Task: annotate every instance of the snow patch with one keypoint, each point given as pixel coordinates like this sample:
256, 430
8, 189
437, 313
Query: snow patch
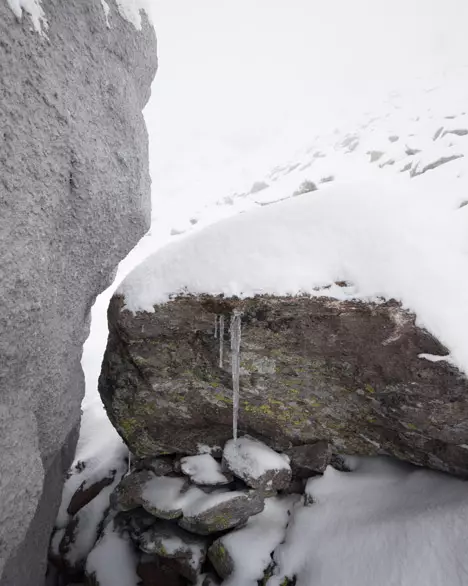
131, 10
203, 469
106, 9
250, 548
35, 11
113, 561
248, 458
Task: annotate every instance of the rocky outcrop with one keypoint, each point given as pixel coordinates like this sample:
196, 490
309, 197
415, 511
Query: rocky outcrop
75, 198
361, 376
208, 531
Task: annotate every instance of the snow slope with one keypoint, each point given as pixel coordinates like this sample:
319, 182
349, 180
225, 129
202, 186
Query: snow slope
381, 524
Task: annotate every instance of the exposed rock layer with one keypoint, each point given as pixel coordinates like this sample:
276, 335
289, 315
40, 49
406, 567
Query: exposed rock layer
75, 198
312, 369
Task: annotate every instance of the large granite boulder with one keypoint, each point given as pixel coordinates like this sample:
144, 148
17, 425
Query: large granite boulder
348, 372
75, 198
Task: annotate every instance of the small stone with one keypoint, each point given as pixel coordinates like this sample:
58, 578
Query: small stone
204, 470
221, 559
170, 541
221, 511
309, 459
162, 496
161, 466
139, 521
256, 464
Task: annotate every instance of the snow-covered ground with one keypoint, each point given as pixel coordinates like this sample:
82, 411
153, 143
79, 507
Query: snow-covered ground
239, 121
383, 523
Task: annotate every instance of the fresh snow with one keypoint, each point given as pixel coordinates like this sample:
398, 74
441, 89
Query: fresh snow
203, 469
383, 523
205, 502
250, 547
35, 11
248, 458
113, 561
130, 10
387, 239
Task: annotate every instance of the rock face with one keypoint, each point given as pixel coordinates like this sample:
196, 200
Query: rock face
345, 372
75, 198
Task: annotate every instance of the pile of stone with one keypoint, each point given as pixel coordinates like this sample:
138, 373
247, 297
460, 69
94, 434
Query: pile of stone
181, 520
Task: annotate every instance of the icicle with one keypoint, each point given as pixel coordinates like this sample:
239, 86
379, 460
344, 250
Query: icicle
221, 340
216, 327
129, 469
235, 361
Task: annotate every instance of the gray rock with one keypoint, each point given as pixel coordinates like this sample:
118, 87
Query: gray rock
75, 199
221, 559
162, 466
309, 459
170, 541
162, 496
345, 372
212, 514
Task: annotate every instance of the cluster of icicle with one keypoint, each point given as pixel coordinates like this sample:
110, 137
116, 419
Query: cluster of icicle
235, 327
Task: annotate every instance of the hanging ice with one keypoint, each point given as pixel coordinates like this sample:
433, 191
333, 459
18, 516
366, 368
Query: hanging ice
235, 361
221, 340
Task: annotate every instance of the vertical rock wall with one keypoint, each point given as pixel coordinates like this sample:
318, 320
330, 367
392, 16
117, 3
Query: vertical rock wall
74, 199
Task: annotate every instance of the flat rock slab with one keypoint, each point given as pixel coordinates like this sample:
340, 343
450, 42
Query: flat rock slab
221, 511
349, 373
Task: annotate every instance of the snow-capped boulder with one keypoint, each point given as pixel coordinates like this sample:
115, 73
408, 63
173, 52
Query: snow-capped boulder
359, 375
75, 193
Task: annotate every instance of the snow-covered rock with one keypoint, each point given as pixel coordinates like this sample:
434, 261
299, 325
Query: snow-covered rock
256, 464
243, 555
221, 510
167, 540
75, 194
204, 470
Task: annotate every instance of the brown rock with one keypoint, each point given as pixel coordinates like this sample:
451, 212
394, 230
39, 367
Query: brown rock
345, 372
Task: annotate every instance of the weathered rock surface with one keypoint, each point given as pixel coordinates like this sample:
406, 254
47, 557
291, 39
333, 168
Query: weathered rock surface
75, 198
309, 459
169, 541
346, 372
214, 514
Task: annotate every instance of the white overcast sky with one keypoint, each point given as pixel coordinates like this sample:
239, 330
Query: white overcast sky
239, 77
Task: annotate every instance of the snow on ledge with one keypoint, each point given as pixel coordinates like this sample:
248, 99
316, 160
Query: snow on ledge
388, 240
34, 9
130, 10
